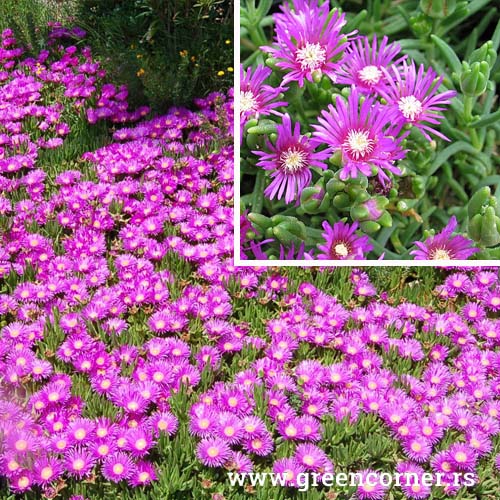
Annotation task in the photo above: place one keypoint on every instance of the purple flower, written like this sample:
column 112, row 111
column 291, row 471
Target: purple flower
column 414, row 98
column 308, row 41
column 341, row 242
column 213, row 452
column 257, row 98
column 363, row 63
column 289, row 162
column 361, row 134
column 445, row 246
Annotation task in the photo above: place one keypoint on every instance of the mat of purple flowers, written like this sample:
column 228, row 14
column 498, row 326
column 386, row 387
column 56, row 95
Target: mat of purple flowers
column 129, row 341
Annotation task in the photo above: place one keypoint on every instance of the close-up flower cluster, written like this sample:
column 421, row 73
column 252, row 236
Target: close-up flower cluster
column 381, row 136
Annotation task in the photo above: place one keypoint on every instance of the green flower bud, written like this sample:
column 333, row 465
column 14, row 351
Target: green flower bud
column 438, row 9
column 311, row 199
column 418, row 186
column 341, row 201
column 474, row 227
column 484, row 53
column 334, row 186
column 353, row 191
column 369, row 227
column 489, row 232
column 253, row 141
column 372, row 209
column 385, row 220
column 421, row 25
column 474, row 78
column 402, row 206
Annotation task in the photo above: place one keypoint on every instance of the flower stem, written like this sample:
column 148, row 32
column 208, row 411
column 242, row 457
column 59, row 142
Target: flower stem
column 468, row 106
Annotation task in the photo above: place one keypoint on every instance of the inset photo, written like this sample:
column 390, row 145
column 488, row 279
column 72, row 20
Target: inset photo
column 367, row 134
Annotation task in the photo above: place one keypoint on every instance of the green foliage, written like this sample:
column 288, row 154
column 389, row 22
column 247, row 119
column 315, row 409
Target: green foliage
column 167, row 52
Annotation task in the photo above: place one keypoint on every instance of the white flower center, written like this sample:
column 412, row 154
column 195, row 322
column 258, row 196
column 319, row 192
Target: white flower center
column 247, row 101
column 312, row 56
column 358, row 144
column 370, row 75
column 441, row 254
column 292, row 160
column 341, row 249
column 410, row 106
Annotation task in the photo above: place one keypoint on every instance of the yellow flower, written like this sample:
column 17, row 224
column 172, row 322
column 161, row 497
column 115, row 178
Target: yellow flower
column 193, row 58
column 139, row 56
column 220, row 73
column 140, row 72
column 230, row 69
column 228, row 42
column 183, row 53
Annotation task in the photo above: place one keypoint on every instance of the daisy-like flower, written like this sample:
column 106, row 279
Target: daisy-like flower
column 342, row 243
column 308, row 41
column 118, row 466
column 363, row 63
column 213, row 452
column 257, row 98
column 371, row 486
column 361, row 132
column 79, row 462
column 289, row 161
column 445, row 246
column 413, row 96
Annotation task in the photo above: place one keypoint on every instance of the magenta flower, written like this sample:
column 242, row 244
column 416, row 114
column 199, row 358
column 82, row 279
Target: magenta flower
column 257, row 98
column 213, row 452
column 361, row 133
column 341, row 243
column 414, row 98
column 445, row 246
column 308, row 41
column 363, row 63
column 289, row 162
column 118, row 466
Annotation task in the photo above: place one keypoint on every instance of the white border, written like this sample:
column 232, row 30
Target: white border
column 305, row 263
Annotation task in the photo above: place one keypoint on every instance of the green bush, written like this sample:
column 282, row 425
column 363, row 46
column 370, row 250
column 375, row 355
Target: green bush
column 166, row 51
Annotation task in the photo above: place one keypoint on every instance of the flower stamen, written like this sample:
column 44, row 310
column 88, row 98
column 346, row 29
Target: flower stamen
column 358, row 144
column 247, row 101
column 293, row 160
column 311, row 57
column 410, row 106
column 370, row 75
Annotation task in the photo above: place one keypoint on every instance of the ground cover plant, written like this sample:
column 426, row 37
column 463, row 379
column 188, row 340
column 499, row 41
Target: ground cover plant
column 369, row 133
column 136, row 362
column 148, row 45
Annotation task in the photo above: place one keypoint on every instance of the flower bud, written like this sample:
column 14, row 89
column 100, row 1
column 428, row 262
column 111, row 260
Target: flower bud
column 372, row 209
column 311, row 199
column 341, row 201
column 418, row 186
column 438, row 9
column 489, row 232
column 484, row 53
column 474, row 78
column 369, row 227
column 421, row 25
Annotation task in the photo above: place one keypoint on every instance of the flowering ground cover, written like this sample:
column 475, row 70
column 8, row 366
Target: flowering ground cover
column 366, row 134
column 137, row 362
